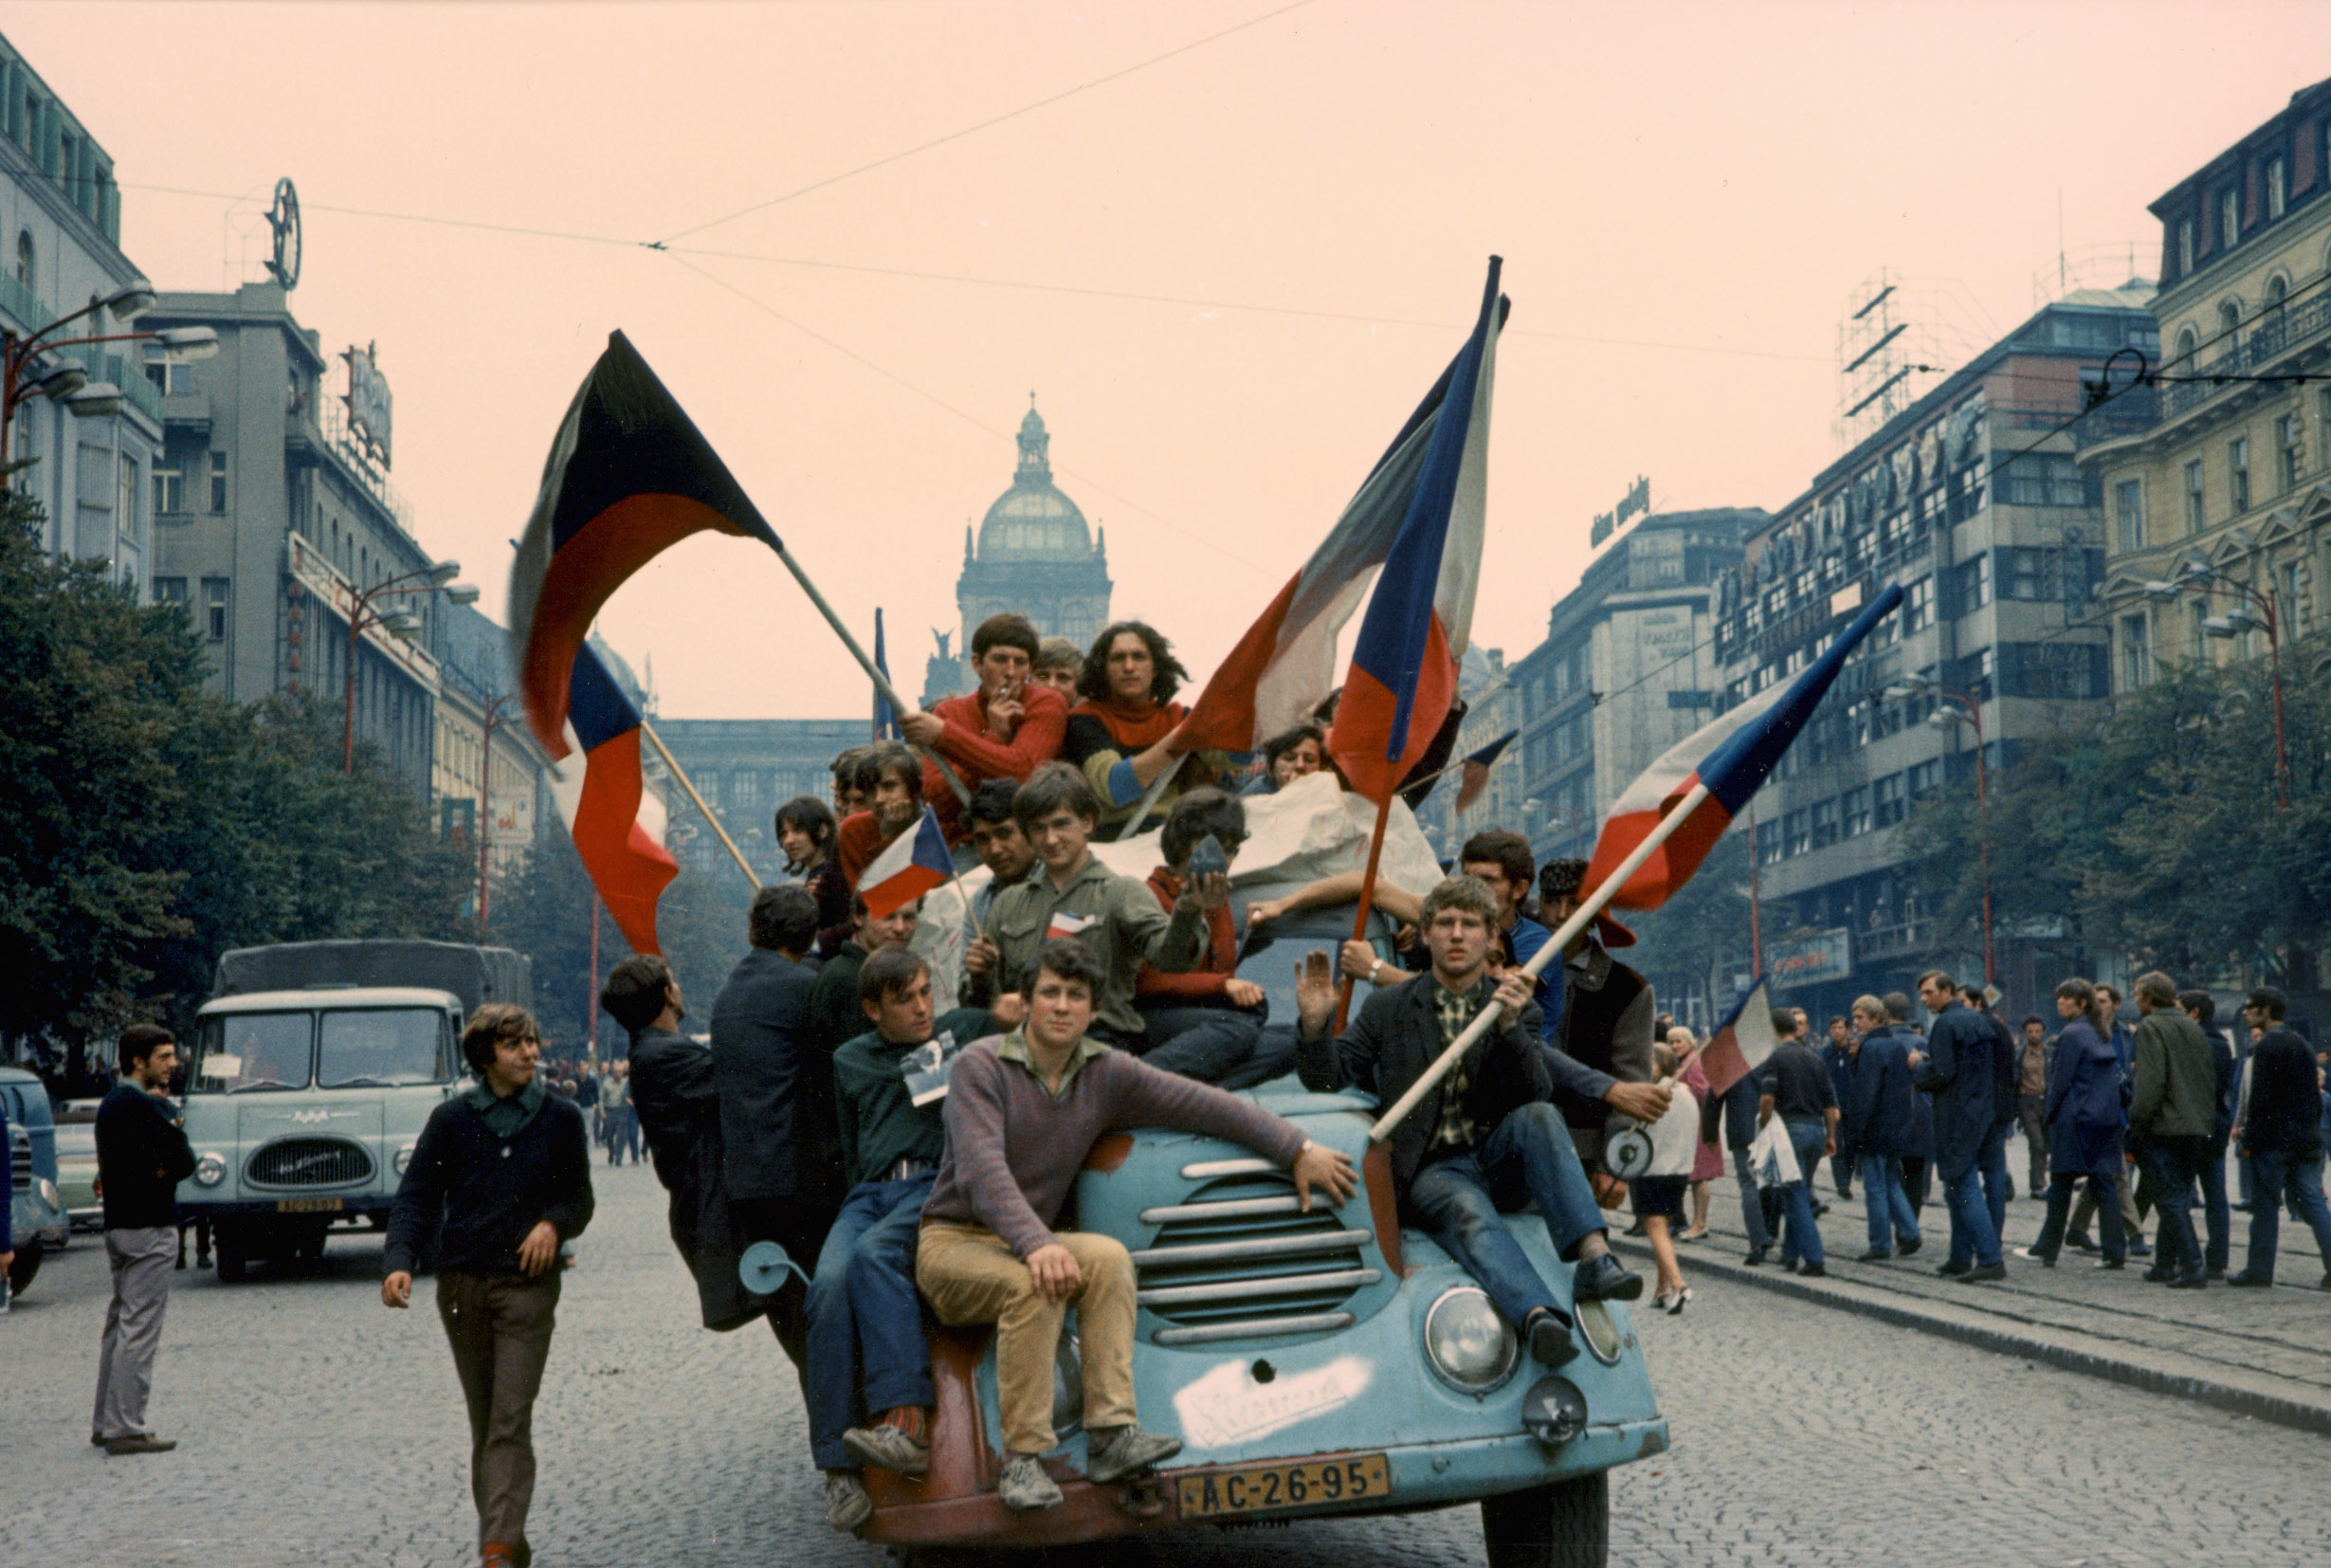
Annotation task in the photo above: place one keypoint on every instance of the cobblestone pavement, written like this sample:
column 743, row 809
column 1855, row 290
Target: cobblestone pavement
column 318, row 1428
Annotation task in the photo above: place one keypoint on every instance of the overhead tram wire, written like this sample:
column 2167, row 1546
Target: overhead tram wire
column 985, row 124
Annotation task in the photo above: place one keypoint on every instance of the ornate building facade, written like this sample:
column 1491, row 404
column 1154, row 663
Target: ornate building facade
column 1034, row 552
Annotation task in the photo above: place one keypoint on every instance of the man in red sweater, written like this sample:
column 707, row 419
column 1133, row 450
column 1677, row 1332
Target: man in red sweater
column 1207, row 1023
column 1006, row 729
column 894, row 805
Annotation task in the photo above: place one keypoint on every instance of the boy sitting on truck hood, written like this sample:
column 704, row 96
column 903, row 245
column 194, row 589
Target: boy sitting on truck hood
column 1023, row 1113
column 864, row 1324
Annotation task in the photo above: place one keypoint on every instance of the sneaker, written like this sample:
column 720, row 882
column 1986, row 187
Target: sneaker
column 1025, row 1488
column 1812, row 1271
column 1605, row 1278
column 1124, row 1450
column 847, row 1505
column 2247, row 1280
column 1983, row 1273
column 1910, row 1249
column 144, row 1441
column 886, row 1448
column 1549, row 1337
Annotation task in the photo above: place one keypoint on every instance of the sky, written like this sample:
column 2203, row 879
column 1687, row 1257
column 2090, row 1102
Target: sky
column 1229, row 244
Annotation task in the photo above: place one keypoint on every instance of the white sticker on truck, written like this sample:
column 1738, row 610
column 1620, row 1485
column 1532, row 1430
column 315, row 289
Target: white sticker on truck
column 1227, row 1407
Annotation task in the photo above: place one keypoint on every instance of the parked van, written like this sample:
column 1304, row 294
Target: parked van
column 36, row 1209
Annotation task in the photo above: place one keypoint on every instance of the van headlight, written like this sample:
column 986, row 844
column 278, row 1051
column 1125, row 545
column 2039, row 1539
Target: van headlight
column 50, row 1193
column 404, row 1158
column 1470, row 1346
column 210, row 1170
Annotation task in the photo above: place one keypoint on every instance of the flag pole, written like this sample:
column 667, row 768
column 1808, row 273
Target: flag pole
column 881, row 682
column 1561, row 938
column 1131, row 827
column 1367, row 905
column 669, row 761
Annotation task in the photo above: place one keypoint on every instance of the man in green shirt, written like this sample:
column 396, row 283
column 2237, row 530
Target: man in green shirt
column 1073, row 896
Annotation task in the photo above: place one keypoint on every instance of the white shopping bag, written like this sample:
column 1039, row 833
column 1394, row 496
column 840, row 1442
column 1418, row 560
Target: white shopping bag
column 1773, row 1157
column 1675, row 1137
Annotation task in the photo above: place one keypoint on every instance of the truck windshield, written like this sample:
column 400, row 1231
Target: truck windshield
column 242, row 1052
column 377, row 1048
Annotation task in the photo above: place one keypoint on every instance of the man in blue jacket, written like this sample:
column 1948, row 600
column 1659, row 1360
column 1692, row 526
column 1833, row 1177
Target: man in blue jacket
column 1959, row 1073
column 1883, row 1127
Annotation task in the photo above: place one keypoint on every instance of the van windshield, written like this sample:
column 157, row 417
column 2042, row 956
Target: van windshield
column 244, row 1051
column 379, row 1047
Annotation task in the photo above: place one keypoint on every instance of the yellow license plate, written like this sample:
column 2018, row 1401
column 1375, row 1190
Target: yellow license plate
column 1262, row 1488
column 307, row 1206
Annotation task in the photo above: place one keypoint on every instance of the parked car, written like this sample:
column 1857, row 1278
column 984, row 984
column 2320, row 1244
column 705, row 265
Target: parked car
column 36, row 1212
column 77, row 1166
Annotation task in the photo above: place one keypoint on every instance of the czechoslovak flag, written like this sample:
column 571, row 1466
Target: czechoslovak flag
column 1741, row 1042
column 909, row 866
column 617, row 824
column 1731, row 756
column 1403, row 678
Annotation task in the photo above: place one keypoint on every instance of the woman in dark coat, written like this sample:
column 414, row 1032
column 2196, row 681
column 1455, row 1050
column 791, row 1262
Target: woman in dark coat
column 2083, row 1113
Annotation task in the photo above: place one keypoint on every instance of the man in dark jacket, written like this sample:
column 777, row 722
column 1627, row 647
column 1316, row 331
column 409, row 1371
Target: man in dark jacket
column 1883, row 1129
column 1794, row 1086
column 1918, row 1165
column 1998, row 1181
column 1484, row 1139
column 1607, row 1015
column 2124, row 1041
column 2279, row 1130
column 1837, row 1054
column 781, row 1160
column 2174, row 1109
column 1959, row 1075
column 506, row 1166
column 2218, row 1215
column 678, row 1102
column 141, row 1156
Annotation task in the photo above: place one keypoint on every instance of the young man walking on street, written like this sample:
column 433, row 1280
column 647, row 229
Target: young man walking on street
column 507, row 1165
column 1795, row 1085
column 2279, row 1130
column 1959, row 1073
column 2174, row 1110
column 2034, row 1057
column 1023, row 1113
column 1883, row 1131
column 141, row 1156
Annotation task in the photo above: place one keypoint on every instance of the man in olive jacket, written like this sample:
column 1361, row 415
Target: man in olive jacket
column 2174, row 1110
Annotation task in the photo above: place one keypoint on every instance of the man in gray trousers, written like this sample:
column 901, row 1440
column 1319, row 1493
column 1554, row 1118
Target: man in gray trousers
column 141, row 1156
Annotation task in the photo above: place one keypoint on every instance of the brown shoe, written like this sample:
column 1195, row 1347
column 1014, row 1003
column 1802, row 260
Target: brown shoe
column 144, row 1441
column 494, row 1553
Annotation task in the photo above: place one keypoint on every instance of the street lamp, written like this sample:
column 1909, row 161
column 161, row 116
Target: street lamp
column 1957, row 707
column 485, row 792
column 24, row 372
column 396, row 621
column 2256, row 613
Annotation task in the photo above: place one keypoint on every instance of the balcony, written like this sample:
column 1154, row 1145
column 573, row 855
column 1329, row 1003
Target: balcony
column 2280, row 331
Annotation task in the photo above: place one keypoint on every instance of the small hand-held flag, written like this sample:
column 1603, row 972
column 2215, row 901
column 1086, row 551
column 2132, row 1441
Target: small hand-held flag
column 1731, row 758
column 618, row 826
column 909, row 866
column 1740, row 1042
column 1475, row 777
column 629, row 477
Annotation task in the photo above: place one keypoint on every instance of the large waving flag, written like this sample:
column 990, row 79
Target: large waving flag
column 629, row 477
column 1731, row 756
column 1740, row 1042
column 909, row 866
column 617, row 824
column 1403, row 678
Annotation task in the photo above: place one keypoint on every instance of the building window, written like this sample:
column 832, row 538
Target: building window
column 2275, row 197
column 2129, row 510
column 2185, row 345
column 125, row 497
column 2286, row 449
column 218, row 482
column 169, row 378
column 2287, row 611
column 2238, row 473
column 2136, row 651
column 1924, row 777
column 1918, row 605
column 169, row 489
column 1886, row 800
column 171, row 591
column 2228, row 219
column 1795, row 834
column 215, row 608
column 1857, row 812
column 27, row 265
column 2195, row 513
column 2229, row 318
column 1825, row 824
column 2185, row 247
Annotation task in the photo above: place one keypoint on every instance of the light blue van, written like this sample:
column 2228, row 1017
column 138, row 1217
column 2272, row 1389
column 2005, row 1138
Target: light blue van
column 36, row 1209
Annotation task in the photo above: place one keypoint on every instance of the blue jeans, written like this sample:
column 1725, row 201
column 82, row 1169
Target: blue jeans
column 1992, row 1161
column 865, row 1323
column 1889, row 1205
column 2215, row 1214
column 1229, row 1048
column 1460, row 1199
column 2277, row 1175
column 1752, row 1202
column 1800, row 1238
column 2060, row 1210
column 1973, row 1238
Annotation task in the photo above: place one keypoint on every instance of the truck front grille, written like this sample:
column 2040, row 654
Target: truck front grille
column 1237, row 1259
column 309, row 1162
column 20, row 1160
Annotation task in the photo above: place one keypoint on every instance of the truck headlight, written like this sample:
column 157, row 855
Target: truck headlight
column 49, row 1194
column 210, row 1170
column 1470, row 1347
column 404, row 1158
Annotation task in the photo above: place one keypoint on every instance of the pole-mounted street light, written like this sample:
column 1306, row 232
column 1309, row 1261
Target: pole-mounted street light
column 397, row 622
column 1959, row 706
column 485, row 790
column 2195, row 575
column 24, row 370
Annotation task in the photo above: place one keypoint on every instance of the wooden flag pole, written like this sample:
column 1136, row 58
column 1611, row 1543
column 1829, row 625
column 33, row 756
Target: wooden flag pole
column 1367, row 905
column 656, row 740
column 881, row 682
column 1131, row 827
column 1555, row 945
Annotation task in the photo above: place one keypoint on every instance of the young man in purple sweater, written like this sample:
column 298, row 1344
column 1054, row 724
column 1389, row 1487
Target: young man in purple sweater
column 1022, row 1114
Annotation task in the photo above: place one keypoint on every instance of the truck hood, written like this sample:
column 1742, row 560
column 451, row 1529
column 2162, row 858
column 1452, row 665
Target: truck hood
column 262, row 1117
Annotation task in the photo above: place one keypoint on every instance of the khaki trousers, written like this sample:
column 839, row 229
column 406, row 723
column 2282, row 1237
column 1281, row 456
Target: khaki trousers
column 971, row 1276
column 2084, row 1210
column 500, row 1332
